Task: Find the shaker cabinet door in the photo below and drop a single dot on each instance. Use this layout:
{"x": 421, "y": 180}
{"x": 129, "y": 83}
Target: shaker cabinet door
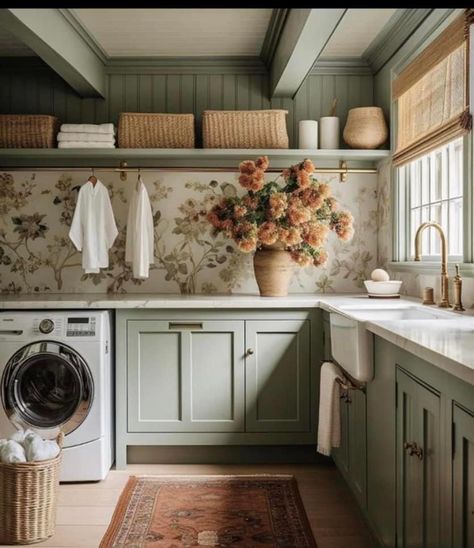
{"x": 418, "y": 464}
{"x": 278, "y": 357}
{"x": 185, "y": 376}
{"x": 463, "y": 478}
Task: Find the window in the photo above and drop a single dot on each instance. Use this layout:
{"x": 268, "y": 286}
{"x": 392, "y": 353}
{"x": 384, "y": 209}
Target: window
{"x": 431, "y": 189}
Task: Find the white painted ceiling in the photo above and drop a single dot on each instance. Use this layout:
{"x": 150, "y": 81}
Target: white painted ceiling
{"x": 357, "y": 30}
{"x": 10, "y": 46}
{"x": 176, "y": 32}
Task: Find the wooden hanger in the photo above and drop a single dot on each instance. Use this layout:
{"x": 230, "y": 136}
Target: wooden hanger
{"x": 92, "y": 178}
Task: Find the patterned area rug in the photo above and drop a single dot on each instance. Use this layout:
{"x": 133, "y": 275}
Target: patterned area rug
{"x": 177, "y": 511}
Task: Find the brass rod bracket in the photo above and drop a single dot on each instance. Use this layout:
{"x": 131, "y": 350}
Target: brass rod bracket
{"x": 123, "y": 174}
{"x": 344, "y": 171}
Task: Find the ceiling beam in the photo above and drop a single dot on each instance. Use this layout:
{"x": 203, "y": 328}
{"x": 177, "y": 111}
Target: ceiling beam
{"x": 302, "y": 40}
{"x": 52, "y": 37}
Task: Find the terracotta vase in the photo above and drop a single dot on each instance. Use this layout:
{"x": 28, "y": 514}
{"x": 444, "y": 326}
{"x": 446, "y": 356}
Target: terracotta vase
{"x": 365, "y": 128}
{"x": 273, "y": 271}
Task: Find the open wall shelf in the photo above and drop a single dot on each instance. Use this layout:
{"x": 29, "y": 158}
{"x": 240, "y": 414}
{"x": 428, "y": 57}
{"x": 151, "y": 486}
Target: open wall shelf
{"x": 182, "y": 158}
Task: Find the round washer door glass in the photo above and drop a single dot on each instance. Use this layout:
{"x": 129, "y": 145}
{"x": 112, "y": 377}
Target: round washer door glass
{"x": 47, "y": 385}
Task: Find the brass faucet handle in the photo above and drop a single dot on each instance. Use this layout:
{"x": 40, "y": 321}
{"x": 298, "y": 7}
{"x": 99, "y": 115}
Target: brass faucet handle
{"x": 458, "y": 291}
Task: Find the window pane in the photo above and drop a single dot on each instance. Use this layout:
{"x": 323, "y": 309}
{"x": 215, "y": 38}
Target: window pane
{"x": 434, "y": 187}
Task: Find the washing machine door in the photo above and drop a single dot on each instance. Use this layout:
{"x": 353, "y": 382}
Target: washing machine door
{"x": 47, "y": 385}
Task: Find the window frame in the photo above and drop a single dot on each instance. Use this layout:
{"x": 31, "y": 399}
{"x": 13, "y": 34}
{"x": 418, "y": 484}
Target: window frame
{"x": 398, "y": 194}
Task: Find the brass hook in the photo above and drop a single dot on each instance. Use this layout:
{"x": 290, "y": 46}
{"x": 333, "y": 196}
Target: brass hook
{"x": 343, "y": 175}
{"x": 123, "y": 174}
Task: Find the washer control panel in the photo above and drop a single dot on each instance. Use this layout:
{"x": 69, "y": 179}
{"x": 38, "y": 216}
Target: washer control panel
{"x": 80, "y": 327}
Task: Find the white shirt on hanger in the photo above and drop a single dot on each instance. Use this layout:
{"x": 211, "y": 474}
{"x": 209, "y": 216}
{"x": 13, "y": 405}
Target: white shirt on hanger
{"x": 139, "y": 246}
{"x": 93, "y": 229}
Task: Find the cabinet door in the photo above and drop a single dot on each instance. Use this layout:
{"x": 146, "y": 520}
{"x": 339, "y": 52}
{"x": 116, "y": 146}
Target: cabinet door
{"x": 278, "y": 376}
{"x": 351, "y": 455}
{"x": 185, "y": 376}
{"x": 418, "y": 475}
{"x": 463, "y": 478}
{"x": 357, "y": 442}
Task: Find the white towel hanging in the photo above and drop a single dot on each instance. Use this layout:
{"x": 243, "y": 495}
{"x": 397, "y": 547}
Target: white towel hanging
{"x": 139, "y": 245}
{"x": 329, "y": 429}
{"x": 93, "y": 229}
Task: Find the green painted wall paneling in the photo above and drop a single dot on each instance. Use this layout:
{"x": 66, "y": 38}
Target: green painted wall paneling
{"x": 27, "y": 87}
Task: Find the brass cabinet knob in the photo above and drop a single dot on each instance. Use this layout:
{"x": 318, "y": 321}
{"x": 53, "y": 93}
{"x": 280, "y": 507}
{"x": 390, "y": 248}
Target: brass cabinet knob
{"x": 249, "y": 351}
{"x": 412, "y": 448}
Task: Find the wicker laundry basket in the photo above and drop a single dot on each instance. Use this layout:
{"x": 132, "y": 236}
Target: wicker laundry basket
{"x": 28, "y": 500}
{"x": 143, "y": 130}
{"x": 28, "y": 131}
{"x": 244, "y": 129}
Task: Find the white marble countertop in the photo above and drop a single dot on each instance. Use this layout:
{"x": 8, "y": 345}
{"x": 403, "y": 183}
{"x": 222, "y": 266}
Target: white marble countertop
{"x": 448, "y": 344}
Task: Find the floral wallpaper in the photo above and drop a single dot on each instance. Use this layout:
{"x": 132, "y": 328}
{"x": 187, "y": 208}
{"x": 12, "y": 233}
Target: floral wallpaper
{"x": 413, "y": 284}
{"x": 36, "y": 254}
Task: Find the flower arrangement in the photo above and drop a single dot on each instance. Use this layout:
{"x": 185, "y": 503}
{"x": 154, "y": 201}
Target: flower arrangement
{"x": 295, "y": 214}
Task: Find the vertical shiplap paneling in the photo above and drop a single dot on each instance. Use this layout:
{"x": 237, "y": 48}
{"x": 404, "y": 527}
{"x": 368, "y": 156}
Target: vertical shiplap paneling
{"x": 202, "y": 93}
{"x": 216, "y": 91}
{"x": 145, "y": 86}
{"x": 187, "y": 104}
{"x": 173, "y": 93}
{"x": 116, "y": 96}
{"x": 130, "y": 103}
{"x": 43, "y": 91}
{"x": 159, "y": 93}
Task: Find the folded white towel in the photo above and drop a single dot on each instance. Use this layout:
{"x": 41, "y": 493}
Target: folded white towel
{"x": 88, "y": 128}
{"x": 11, "y": 452}
{"x": 20, "y": 435}
{"x": 82, "y": 144}
{"x": 329, "y": 429}
{"x": 87, "y": 137}
{"x": 38, "y": 449}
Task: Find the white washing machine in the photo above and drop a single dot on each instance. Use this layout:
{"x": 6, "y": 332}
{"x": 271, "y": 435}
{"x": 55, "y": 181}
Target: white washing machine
{"x": 56, "y": 373}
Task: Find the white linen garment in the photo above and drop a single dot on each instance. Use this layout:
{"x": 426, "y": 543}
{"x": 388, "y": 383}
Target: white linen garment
{"x": 93, "y": 228}
{"x": 329, "y": 428}
{"x": 139, "y": 245}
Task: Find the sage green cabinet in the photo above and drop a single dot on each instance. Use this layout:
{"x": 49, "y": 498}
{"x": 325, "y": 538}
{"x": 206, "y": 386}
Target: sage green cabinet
{"x": 418, "y": 463}
{"x": 186, "y": 376}
{"x": 463, "y": 477}
{"x": 351, "y": 455}
{"x": 277, "y": 386}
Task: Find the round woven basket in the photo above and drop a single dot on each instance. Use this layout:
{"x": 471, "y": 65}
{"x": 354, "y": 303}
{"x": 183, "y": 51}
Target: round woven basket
{"x": 365, "y": 128}
{"x": 28, "y": 500}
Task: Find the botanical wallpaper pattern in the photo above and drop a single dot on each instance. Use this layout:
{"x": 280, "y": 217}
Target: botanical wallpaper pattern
{"x": 36, "y": 254}
{"x": 413, "y": 284}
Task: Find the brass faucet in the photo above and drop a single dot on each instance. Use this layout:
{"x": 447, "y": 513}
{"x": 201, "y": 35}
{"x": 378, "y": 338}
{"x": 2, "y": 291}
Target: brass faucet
{"x": 444, "y": 302}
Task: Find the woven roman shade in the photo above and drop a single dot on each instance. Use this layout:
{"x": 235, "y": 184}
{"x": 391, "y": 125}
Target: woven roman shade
{"x": 432, "y": 94}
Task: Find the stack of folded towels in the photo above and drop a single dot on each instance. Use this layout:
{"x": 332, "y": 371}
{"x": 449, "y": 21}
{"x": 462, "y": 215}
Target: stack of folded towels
{"x": 86, "y": 136}
{"x": 27, "y": 446}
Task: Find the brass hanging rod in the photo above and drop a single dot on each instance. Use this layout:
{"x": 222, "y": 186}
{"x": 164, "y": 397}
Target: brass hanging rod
{"x": 123, "y": 169}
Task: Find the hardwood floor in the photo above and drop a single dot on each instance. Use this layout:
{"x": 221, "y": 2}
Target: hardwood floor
{"x": 85, "y": 509}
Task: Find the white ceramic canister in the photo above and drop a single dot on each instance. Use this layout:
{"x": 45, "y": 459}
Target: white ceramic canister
{"x": 329, "y": 132}
{"x": 308, "y": 134}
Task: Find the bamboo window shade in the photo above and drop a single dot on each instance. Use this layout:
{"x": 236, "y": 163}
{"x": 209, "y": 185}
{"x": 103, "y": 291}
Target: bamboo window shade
{"x": 432, "y": 94}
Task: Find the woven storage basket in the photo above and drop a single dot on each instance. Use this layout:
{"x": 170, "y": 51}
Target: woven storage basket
{"x": 141, "y": 130}
{"x": 28, "y": 131}
{"x": 28, "y": 500}
{"x": 244, "y": 129}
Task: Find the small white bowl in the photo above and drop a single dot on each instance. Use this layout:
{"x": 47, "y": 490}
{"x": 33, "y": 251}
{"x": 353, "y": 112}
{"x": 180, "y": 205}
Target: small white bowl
{"x": 381, "y": 289}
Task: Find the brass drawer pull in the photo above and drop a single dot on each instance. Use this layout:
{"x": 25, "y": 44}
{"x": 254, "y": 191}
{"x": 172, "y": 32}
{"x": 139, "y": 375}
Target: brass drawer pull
{"x": 185, "y": 325}
{"x": 412, "y": 448}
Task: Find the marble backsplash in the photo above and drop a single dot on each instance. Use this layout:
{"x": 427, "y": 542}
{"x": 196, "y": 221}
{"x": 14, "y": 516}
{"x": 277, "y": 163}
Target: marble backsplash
{"x": 36, "y": 254}
{"x": 413, "y": 284}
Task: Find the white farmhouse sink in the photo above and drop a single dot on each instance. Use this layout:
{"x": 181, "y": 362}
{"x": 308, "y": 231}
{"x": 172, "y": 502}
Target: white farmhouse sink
{"x": 351, "y": 343}
{"x": 396, "y": 313}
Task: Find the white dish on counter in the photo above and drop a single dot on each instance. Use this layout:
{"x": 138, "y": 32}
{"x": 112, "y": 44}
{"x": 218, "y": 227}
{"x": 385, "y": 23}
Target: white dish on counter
{"x": 390, "y": 288}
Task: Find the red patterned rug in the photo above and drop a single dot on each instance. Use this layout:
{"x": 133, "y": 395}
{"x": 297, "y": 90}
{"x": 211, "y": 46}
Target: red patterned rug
{"x": 177, "y": 511}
